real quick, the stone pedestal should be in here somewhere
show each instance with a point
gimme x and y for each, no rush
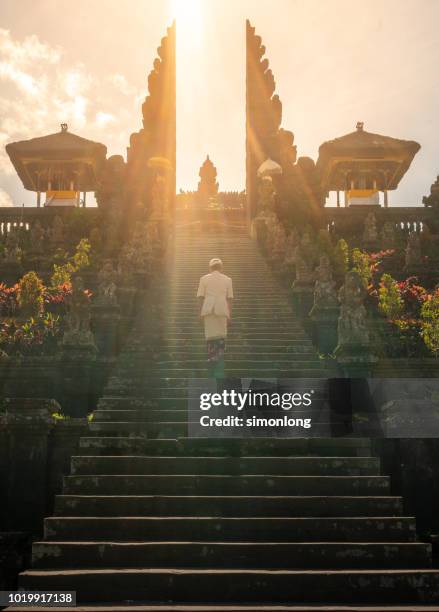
(355, 360)
(324, 321)
(75, 381)
(28, 423)
(126, 298)
(302, 297)
(258, 231)
(105, 323)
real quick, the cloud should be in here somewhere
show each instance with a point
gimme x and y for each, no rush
(103, 119)
(41, 89)
(5, 199)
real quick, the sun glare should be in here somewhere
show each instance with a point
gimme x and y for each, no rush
(189, 16)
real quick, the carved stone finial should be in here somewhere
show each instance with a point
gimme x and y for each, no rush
(64, 127)
(360, 126)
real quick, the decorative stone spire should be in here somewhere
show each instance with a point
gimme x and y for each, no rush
(432, 200)
(157, 138)
(264, 137)
(207, 186)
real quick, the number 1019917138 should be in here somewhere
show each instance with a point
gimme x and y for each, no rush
(40, 598)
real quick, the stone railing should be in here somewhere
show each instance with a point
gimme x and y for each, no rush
(26, 217)
(350, 221)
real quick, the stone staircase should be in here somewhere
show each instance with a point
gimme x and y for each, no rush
(151, 519)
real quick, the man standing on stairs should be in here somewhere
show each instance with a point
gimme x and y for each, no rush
(215, 294)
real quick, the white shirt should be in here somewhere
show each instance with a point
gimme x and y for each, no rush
(216, 288)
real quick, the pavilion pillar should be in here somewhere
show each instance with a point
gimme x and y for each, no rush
(386, 200)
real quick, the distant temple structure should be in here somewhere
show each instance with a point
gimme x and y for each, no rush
(362, 164)
(208, 185)
(61, 165)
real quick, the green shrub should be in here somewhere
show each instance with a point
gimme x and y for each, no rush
(361, 263)
(430, 323)
(390, 304)
(30, 295)
(62, 273)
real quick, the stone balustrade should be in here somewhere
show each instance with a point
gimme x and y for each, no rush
(350, 221)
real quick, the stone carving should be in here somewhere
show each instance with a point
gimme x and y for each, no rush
(325, 295)
(291, 244)
(37, 238)
(304, 271)
(432, 200)
(264, 139)
(12, 253)
(306, 250)
(157, 137)
(413, 254)
(57, 231)
(140, 253)
(278, 242)
(107, 288)
(78, 333)
(267, 195)
(370, 234)
(388, 236)
(352, 323)
(112, 183)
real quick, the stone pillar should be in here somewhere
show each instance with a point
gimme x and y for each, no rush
(28, 423)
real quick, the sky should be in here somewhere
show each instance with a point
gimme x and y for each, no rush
(335, 62)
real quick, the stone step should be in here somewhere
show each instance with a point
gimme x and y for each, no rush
(281, 466)
(227, 485)
(197, 505)
(262, 555)
(226, 586)
(238, 529)
(178, 429)
(238, 447)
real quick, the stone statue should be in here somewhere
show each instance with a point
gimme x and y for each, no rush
(413, 254)
(37, 237)
(388, 236)
(304, 270)
(12, 253)
(370, 234)
(306, 250)
(352, 325)
(107, 288)
(266, 197)
(78, 333)
(278, 242)
(325, 295)
(432, 200)
(57, 231)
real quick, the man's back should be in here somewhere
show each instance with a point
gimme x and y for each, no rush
(216, 288)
